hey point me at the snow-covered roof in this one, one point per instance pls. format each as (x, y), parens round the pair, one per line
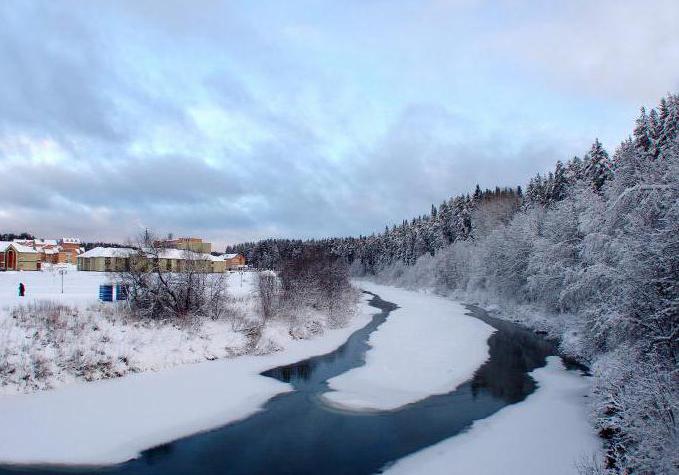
(228, 256)
(171, 253)
(182, 254)
(50, 251)
(19, 247)
(108, 252)
(71, 240)
(176, 254)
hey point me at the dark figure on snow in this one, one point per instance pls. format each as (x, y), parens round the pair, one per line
(22, 289)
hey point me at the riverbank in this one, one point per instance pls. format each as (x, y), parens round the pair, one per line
(111, 421)
(548, 432)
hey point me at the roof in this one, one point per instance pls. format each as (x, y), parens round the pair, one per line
(18, 247)
(177, 254)
(182, 254)
(229, 256)
(108, 252)
(71, 240)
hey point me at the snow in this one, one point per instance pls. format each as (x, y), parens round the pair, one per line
(549, 432)
(80, 288)
(108, 252)
(111, 421)
(19, 247)
(428, 346)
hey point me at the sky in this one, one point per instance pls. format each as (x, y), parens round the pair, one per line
(237, 121)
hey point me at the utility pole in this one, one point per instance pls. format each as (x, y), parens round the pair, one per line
(62, 272)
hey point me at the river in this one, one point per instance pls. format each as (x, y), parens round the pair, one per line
(296, 433)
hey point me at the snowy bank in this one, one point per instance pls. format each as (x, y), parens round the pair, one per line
(427, 346)
(50, 339)
(549, 432)
(111, 421)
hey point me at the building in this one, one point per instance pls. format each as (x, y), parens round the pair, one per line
(63, 251)
(69, 249)
(15, 256)
(102, 259)
(105, 259)
(186, 244)
(233, 261)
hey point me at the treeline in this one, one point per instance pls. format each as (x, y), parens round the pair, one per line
(13, 236)
(405, 242)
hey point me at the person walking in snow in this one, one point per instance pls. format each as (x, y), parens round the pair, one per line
(22, 289)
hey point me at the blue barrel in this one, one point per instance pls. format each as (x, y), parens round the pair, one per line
(106, 293)
(121, 292)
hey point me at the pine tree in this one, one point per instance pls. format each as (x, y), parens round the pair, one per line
(643, 134)
(597, 166)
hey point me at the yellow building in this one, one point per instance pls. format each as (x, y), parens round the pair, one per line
(102, 259)
(105, 259)
(15, 256)
(186, 244)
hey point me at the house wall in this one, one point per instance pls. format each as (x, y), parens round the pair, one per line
(28, 261)
(93, 264)
(235, 262)
(219, 266)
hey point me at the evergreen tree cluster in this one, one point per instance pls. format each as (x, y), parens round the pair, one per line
(13, 236)
(595, 250)
(426, 234)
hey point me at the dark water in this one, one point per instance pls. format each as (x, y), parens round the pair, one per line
(296, 433)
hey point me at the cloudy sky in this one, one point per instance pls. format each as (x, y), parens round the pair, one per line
(242, 120)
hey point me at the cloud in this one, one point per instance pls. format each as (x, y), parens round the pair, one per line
(607, 48)
(244, 121)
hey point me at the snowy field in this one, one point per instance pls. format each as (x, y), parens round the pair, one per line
(427, 346)
(80, 288)
(549, 432)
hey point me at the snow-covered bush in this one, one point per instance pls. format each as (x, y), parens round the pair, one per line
(47, 344)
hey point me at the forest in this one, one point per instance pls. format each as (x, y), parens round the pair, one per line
(589, 252)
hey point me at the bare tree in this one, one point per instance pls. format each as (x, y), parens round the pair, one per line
(268, 289)
(171, 283)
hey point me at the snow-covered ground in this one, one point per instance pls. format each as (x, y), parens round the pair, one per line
(49, 339)
(427, 346)
(111, 421)
(549, 432)
(80, 288)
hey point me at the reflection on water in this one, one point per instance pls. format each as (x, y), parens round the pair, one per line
(296, 433)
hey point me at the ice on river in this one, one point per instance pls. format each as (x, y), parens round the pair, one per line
(549, 432)
(427, 346)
